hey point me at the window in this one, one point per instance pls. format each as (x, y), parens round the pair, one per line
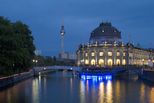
(92, 54)
(109, 62)
(86, 61)
(86, 54)
(130, 54)
(101, 53)
(109, 53)
(82, 60)
(118, 53)
(124, 54)
(92, 62)
(118, 62)
(101, 62)
(123, 62)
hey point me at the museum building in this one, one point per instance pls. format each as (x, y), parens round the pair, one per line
(105, 48)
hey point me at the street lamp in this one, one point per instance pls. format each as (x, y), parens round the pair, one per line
(35, 61)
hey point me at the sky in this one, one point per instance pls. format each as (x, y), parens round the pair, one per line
(80, 17)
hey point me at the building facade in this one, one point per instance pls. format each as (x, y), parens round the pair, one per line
(67, 55)
(105, 48)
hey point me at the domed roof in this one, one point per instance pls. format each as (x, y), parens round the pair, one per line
(105, 32)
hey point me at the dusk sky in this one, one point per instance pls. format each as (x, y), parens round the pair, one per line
(80, 17)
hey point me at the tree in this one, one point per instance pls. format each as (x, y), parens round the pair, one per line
(25, 47)
(16, 45)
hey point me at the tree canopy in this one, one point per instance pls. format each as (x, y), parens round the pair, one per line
(16, 45)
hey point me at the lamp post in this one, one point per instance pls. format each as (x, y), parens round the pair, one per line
(35, 61)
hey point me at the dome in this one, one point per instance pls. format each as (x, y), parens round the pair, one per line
(105, 32)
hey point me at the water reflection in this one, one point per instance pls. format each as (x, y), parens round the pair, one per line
(82, 92)
(87, 86)
(142, 93)
(114, 91)
(109, 92)
(62, 87)
(71, 86)
(36, 90)
(117, 91)
(101, 93)
(45, 85)
(9, 96)
(152, 95)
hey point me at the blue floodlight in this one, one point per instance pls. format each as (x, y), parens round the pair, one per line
(108, 77)
(83, 77)
(95, 77)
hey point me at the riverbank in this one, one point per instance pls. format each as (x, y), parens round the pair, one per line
(147, 75)
(13, 79)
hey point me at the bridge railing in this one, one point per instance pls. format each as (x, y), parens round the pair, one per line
(75, 68)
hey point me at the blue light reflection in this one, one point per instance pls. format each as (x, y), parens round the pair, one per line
(95, 77)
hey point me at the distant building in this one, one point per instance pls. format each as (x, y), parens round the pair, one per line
(105, 48)
(67, 58)
(67, 55)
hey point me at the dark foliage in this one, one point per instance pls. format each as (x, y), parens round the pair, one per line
(50, 61)
(16, 46)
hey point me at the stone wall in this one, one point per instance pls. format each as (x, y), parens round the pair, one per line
(10, 80)
(148, 75)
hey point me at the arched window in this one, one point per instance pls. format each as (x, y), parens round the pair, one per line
(118, 62)
(86, 61)
(101, 62)
(123, 62)
(93, 62)
(110, 62)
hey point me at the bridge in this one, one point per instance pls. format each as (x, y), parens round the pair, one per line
(146, 73)
(78, 69)
(37, 70)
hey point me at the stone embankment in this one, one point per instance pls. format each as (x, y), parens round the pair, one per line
(148, 75)
(11, 80)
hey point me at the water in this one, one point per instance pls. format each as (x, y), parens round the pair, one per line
(62, 87)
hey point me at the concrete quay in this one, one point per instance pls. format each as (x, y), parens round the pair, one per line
(13, 79)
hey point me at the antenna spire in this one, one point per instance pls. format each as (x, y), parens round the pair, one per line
(62, 33)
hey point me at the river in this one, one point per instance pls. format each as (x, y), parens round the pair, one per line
(63, 87)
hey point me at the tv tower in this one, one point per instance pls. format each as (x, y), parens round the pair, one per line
(62, 33)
